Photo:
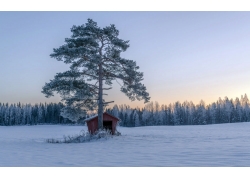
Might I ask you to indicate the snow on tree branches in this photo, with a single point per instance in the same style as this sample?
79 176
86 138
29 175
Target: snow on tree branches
94 57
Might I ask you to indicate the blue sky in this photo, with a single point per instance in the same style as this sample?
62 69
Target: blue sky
184 55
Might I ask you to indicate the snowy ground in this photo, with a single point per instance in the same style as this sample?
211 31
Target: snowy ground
210 145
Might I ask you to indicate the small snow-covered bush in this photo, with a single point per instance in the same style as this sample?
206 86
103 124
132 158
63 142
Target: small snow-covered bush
84 137
117 133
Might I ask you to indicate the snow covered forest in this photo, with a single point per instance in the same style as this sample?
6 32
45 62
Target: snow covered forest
187 113
20 114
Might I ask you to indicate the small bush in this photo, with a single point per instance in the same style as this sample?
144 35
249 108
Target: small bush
84 137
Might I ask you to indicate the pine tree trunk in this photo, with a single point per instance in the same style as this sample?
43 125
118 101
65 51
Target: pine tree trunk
100 103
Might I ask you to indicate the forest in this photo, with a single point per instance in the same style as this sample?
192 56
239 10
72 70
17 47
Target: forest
27 114
153 114
187 113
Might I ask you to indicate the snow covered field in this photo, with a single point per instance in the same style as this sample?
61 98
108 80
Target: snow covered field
209 145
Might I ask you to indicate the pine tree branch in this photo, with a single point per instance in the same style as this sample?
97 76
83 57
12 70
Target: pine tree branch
91 75
106 88
108 102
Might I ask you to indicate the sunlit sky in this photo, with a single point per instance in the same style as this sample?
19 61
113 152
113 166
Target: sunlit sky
185 56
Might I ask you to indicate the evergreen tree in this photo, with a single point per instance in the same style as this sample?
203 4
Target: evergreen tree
94 55
12 115
238 110
145 117
7 115
24 114
170 115
150 120
1 115
18 115
228 107
136 119
115 111
245 108
122 119
177 114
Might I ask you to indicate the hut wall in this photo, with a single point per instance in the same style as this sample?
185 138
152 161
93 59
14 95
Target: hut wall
93 124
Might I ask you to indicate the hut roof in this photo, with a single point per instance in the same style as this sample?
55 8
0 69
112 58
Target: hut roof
89 118
92 117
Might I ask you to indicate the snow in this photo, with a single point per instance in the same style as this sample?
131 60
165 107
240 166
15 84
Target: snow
92 117
175 146
89 118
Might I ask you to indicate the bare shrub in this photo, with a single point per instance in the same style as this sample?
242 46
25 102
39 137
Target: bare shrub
84 137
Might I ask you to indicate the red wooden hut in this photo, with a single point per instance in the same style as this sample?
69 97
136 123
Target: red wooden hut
109 122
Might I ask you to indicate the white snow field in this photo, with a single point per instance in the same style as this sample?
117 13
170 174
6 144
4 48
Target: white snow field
167 146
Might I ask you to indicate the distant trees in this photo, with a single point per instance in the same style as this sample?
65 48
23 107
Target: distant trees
186 113
221 111
20 114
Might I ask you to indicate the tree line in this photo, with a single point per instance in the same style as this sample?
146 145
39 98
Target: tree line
187 113
27 114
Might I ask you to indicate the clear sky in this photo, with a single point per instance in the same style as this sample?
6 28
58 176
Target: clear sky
183 55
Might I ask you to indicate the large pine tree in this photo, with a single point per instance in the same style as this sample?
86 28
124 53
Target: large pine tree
94 57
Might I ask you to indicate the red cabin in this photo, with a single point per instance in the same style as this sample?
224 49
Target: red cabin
109 122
